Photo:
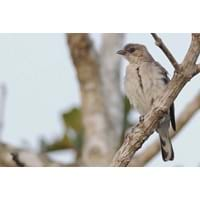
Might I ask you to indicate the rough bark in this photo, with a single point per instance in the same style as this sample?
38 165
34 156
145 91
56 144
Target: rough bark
139 134
110 81
151 151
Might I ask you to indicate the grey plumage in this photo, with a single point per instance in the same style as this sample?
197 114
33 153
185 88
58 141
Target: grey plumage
145 80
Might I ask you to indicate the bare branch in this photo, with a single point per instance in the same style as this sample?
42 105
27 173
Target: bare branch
144 129
151 151
166 51
193 51
10 156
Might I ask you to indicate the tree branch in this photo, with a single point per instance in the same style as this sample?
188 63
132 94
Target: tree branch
193 51
11 156
166 51
144 129
151 151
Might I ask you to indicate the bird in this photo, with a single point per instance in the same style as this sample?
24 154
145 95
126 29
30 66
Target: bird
145 81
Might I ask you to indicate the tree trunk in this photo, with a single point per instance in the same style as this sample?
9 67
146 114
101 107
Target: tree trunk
100 96
110 76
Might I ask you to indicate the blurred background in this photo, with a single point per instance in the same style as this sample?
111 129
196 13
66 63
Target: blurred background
62 99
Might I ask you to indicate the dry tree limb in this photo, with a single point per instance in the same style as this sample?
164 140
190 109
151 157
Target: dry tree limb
11 156
152 150
140 133
166 51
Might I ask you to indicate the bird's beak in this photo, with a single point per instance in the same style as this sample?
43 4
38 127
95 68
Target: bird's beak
121 52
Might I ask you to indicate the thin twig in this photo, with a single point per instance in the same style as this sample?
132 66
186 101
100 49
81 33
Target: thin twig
166 51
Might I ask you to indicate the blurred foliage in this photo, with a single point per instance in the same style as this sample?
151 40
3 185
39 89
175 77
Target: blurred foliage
59 144
72 119
73 136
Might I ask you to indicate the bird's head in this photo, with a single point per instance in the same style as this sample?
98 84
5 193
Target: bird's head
135 53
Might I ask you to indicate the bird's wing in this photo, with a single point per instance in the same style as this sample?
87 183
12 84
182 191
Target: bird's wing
163 72
166 79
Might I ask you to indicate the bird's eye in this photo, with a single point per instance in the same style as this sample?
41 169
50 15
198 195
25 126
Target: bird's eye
131 50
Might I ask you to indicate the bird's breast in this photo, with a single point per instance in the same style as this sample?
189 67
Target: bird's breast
138 89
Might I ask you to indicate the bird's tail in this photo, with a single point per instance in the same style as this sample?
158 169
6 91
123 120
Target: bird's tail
166 147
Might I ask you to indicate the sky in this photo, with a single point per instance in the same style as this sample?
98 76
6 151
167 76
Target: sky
41 84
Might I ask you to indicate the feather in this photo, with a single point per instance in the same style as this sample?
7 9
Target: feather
172 117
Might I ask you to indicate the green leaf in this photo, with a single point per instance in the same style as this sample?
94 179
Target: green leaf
127 106
72 119
60 143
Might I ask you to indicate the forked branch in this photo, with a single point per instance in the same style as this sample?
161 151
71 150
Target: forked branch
166 51
151 151
140 133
